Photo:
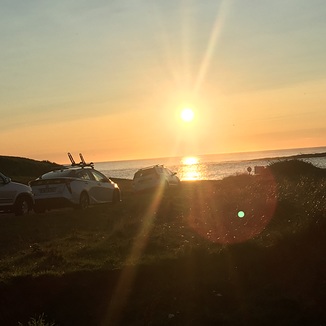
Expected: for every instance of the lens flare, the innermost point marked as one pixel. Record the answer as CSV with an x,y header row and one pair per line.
x,y
233,211
241,214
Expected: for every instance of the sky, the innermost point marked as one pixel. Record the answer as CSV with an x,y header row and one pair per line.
x,y
110,78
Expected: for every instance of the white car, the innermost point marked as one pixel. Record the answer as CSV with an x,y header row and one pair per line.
x,y
79,186
153,177
15,197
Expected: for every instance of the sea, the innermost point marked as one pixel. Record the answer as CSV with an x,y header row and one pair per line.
x,y
211,166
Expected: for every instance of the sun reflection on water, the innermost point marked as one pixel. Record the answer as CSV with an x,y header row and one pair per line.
x,y
191,169
190,160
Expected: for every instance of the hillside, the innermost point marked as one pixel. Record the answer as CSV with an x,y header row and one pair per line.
x,y
20,167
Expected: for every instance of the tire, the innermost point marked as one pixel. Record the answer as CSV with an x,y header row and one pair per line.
x,y
83,201
22,206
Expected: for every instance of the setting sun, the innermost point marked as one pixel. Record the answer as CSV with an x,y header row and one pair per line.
x,y
187,115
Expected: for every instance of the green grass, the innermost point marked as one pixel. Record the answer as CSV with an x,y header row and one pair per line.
x,y
188,243
142,229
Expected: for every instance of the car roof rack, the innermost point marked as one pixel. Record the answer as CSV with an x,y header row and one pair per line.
x,y
82,162
152,166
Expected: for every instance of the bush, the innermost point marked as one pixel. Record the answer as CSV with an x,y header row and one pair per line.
x,y
295,168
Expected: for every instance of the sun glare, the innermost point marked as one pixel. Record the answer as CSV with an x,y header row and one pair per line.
x,y
187,114
191,169
190,160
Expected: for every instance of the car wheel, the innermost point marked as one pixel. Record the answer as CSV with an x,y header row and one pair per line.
x,y
22,206
83,201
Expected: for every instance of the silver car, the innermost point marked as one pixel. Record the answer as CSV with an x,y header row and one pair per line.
x,y
15,197
153,177
77,186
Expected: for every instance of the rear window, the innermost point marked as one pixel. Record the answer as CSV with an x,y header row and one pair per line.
x,y
144,173
148,172
59,174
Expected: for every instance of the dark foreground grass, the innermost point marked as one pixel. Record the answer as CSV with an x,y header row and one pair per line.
x,y
186,257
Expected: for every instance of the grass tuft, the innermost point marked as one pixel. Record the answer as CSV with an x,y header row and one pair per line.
x,y
38,321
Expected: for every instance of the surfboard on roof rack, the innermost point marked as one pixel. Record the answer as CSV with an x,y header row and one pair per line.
x,y
82,161
71,159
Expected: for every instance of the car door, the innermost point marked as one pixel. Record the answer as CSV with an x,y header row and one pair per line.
x,y
7,192
103,189
85,182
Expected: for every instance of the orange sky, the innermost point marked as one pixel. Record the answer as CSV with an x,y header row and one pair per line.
x,y
110,79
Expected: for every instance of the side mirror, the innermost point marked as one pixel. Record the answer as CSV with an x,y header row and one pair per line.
x,y
7,180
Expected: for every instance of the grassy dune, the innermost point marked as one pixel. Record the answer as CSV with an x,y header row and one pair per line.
x,y
24,169
246,250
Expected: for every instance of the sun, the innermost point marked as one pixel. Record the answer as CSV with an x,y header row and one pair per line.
x,y
187,114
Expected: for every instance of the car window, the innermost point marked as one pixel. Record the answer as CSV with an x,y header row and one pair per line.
x,y
83,175
167,172
59,174
144,173
98,176
148,172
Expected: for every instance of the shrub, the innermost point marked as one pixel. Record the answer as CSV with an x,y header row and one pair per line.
x,y
295,168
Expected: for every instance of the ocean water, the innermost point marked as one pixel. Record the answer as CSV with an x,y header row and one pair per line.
x,y
209,167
